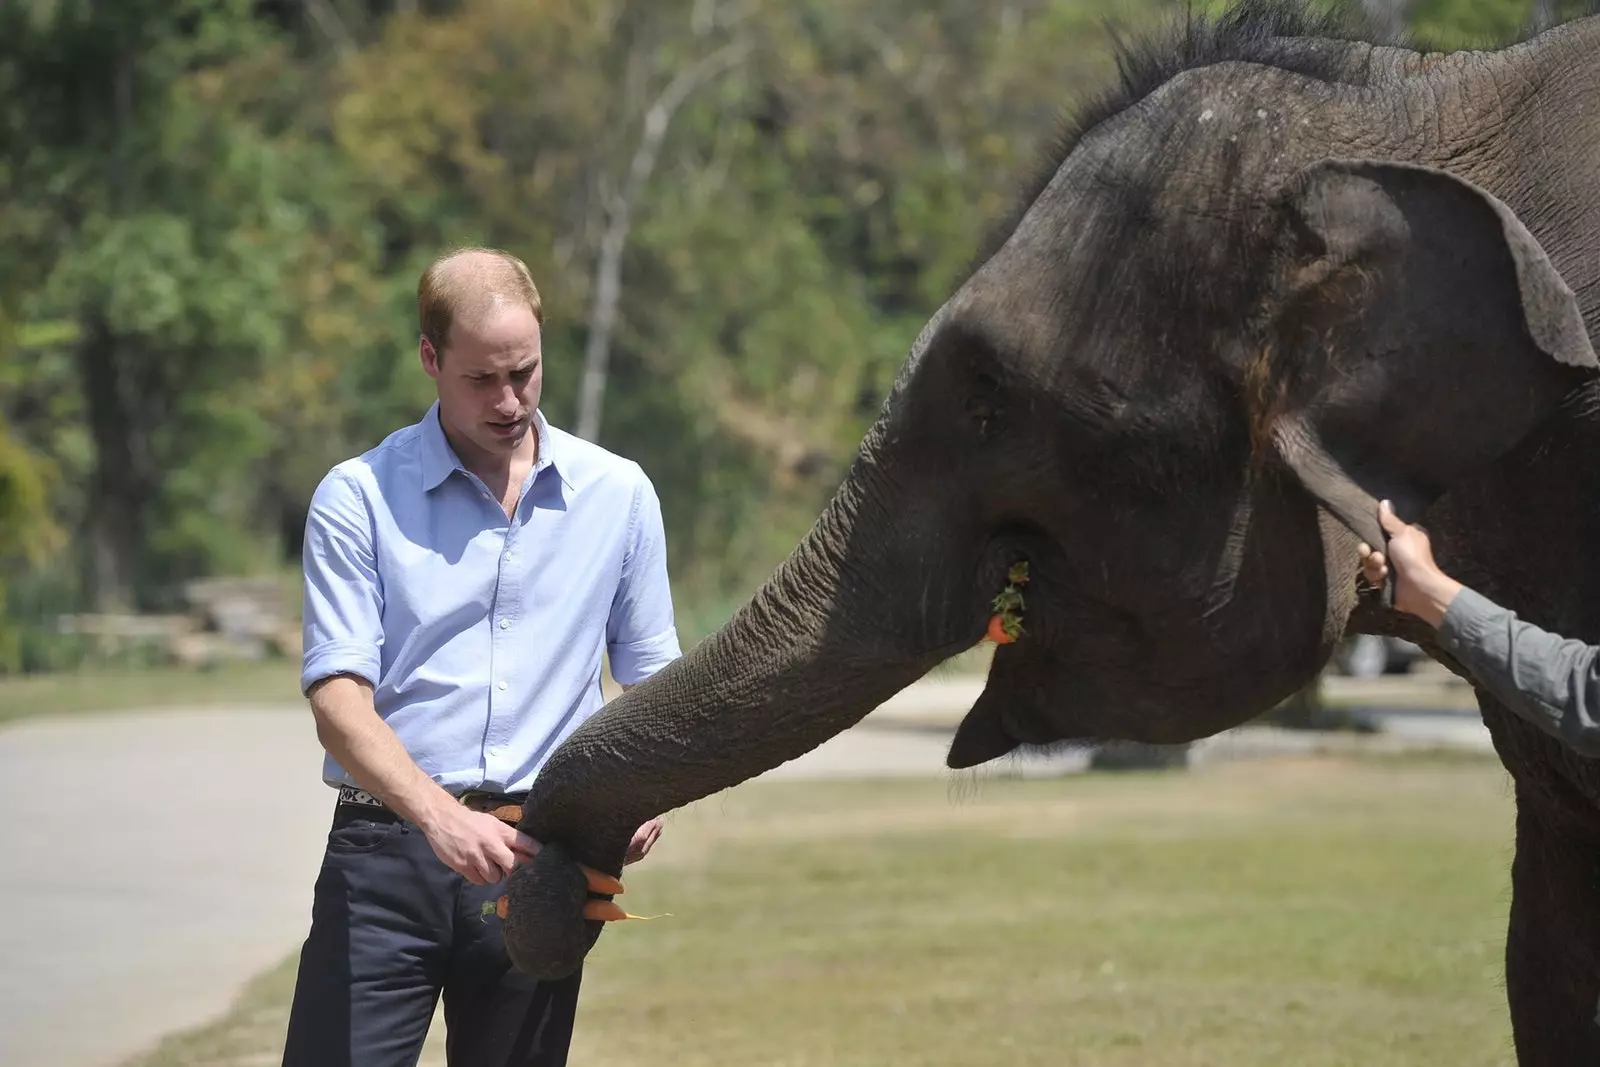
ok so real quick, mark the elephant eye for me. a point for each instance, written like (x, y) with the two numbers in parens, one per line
(982, 406)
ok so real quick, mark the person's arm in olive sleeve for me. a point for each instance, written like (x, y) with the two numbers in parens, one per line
(1549, 680)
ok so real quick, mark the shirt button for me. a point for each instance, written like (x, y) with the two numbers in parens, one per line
(496, 750)
(502, 687)
(505, 624)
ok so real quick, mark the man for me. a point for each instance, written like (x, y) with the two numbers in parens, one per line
(1548, 680)
(461, 581)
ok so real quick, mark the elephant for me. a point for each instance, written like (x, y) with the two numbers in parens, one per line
(1284, 270)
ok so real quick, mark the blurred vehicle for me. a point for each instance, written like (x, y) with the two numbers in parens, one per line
(1371, 656)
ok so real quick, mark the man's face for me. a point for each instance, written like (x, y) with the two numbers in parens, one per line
(489, 379)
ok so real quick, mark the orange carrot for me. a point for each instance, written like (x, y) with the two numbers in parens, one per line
(500, 907)
(607, 911)
(600, 882)
(997, 631)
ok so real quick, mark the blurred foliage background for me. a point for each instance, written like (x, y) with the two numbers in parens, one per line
(740, 212)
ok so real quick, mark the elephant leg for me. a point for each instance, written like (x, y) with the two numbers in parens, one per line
(1553, 945)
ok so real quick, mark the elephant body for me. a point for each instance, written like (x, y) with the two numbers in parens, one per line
(1281, 274)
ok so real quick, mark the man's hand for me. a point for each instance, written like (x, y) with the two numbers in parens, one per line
(476, 845)
(644, 840)
(1420, 587)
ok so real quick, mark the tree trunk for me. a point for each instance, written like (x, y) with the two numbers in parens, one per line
(122, 482)
(115, 511)
(619, 223)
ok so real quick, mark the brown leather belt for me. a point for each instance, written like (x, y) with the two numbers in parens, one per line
(507, 807)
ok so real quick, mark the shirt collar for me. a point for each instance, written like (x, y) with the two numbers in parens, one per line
(439, 459)
(548, 454)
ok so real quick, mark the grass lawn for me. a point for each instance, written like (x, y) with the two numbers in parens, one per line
(1314, 912)
(242, 684)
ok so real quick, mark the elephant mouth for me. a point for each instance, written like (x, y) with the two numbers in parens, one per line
(1013, 707)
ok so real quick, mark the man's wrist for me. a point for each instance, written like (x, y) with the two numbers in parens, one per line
(1438, 594)
(433, 809)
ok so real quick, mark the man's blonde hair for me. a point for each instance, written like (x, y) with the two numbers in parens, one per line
(465, 284)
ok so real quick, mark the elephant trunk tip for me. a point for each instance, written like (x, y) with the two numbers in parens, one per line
(544, 929)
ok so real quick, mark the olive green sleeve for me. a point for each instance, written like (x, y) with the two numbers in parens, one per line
(1549, 680)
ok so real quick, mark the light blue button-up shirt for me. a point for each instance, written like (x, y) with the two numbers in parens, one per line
(481, 635)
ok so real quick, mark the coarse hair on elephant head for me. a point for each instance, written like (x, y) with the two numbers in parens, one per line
(1242, 307)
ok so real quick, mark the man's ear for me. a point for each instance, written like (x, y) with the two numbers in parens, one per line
(1416, 332)
(429, 357)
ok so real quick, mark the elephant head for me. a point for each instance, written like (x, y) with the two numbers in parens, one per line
(1239, 311)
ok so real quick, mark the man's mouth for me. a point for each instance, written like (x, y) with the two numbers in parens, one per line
(508, 427)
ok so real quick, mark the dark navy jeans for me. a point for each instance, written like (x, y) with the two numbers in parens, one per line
(391, 928)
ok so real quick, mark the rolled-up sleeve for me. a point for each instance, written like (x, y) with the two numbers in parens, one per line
(1549, 680)
(641, 635)
(343, 611)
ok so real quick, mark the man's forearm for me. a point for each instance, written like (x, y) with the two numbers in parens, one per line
(350, 729)
(1546, 679)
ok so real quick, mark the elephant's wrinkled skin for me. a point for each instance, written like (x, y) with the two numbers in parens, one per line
(1279, 279)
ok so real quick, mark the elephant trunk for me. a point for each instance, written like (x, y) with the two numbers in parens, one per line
(821, 644)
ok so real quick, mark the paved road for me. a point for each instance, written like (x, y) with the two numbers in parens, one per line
(144, 906)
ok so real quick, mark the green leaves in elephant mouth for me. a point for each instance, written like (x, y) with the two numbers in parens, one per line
(1005, 626)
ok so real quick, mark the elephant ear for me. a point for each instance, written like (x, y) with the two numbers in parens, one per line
(1417, 331)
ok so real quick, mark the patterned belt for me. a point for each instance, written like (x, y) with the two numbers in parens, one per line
(506, 807)
(349, 794)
